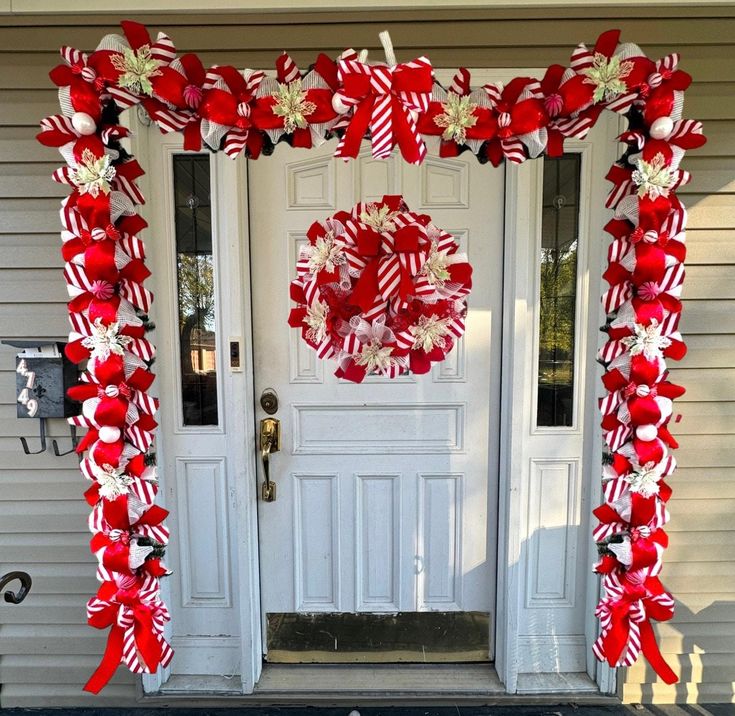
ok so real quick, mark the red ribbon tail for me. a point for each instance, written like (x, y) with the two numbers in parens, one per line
(616, 638)
(406, 137)
(148, 644)
(653, 655)
(357, 129)
(366, 288)
(110, 661)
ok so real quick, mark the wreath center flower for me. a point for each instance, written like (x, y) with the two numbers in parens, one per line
(459, 115)
(292, 105)
(93, 174)
(136, 68)
(379, 217)
(653, 178)
(374, 356)
(607, 75)
(430, 333)
(647, 340)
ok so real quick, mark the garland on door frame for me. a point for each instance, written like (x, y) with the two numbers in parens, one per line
(395, 105)
(381, 290)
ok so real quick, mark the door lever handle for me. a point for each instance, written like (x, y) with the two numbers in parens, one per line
(270, 442)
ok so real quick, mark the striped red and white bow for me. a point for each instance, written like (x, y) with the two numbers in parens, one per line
(632, 600)
(386, 101)
(132, 609)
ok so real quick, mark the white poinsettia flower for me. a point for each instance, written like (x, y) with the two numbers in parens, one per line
(105, 340)
(436, 266)
(113, 481)
(93, 174)
(136, 68)
(374, 356)
(326, 254)
(457, 117)
(292, 105)
(645, 480)
(647, 340)
(379, 217)
(653, 178)
(607, 75)
(316, 319)
(430, 332)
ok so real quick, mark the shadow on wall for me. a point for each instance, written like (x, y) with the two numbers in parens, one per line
(702, 660)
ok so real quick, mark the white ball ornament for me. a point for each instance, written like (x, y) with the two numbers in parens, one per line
(83, 123)
(646, 433)
(338, 105)
(661, 127)
(109, 434)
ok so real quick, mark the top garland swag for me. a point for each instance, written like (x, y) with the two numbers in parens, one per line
(395, 105)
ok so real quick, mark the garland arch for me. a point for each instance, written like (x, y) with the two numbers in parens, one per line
(393, 104)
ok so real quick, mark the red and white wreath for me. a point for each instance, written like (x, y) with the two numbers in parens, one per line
(381, 290)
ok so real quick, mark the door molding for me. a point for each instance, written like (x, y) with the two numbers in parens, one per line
(521, 224)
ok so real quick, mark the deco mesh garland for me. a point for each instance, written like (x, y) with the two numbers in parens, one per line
(394, 105)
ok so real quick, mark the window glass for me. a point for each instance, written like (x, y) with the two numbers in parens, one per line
(558, 283)
(195, 283)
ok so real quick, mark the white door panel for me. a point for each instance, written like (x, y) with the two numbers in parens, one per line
(387, 489)
(199, 464)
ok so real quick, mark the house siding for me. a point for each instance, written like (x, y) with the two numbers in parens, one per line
(46, 650)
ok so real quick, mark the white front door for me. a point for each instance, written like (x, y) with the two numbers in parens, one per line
(387, 490)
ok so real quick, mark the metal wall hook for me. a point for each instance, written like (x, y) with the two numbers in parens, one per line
(42, 437)
(74, 443)
(25, 586)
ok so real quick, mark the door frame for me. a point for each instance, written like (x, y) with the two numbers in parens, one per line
(524, 185)
(521, 230)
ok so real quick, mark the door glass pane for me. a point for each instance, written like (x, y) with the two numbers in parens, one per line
(195, 283)
(558, 283)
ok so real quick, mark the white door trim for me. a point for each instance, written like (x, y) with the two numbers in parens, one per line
(231, 203)
(523, 226)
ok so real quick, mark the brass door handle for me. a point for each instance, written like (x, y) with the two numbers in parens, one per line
(270, 442)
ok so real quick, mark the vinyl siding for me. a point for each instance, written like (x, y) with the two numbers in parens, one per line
(46, 651)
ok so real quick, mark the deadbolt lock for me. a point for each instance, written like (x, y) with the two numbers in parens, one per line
(269, 401)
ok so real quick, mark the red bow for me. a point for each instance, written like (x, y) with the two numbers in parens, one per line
(136, 615)
(394, 259)
(387, 101)
(178, 90)
(225, 109)
(521, 118)
(315, 104)
(568, 102)
(625, 614)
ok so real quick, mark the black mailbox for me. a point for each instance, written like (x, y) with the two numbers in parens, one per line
(42, 376)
